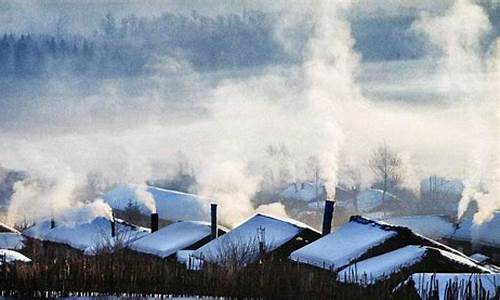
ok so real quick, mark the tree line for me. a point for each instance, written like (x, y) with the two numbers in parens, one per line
(130, 45)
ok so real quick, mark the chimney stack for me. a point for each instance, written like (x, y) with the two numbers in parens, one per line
(52, 223)
(327, 217)
(154, 222)
(113, 227)
(213, 220)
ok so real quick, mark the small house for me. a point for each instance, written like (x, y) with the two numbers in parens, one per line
(182, 235)
(261, 236)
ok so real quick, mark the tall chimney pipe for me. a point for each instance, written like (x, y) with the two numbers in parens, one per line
(327, 217)
(213, 220)
(154, 222)
(113, 227)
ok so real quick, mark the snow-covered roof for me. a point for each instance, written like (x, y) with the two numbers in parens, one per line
(480, 258)
(11, 240)
(486, 233)
(304, 191)
(371, 199)
(355, 239)
(89, 236)
(427, 283)
(432, 226)
(340, 248)
(11, 256)
(170, 205)
(6, 228)
(174, 237)
(379, 267)
(276, 232)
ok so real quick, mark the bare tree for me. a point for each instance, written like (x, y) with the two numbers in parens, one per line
(387, 167)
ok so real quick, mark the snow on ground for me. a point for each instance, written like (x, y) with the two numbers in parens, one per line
(434, 227)
(88, 237)
(276, 233)
(11, 240)
(379, 267)
(427, 282)
(341, 247)
(487, 233)
(170, 239)
(11, 256)
(372, 198)
(170, 205)
(304, 191)
(186, 257)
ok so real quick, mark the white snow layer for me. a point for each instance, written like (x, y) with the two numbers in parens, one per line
(170, 239)
(434, 227)
(11, 240)
(379, 267)
(11, 256)
(427, 282)
(170, 205)
(88, 237)
(487, 233)
(341, 247)
(276, 232)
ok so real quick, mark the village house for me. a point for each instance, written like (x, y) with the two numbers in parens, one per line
(259, 237)
(362, 243)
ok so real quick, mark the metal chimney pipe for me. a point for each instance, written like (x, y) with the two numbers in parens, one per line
(154, 222)
(52, 223)
(213, 220)
(327, 217)
(113, 228)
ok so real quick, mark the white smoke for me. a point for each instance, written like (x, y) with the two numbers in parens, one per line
(144, 197)
(469, 76)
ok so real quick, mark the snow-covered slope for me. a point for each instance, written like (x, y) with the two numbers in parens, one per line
(11, 240)
(170, 205)
(169, 239)
(338, 249)
(275, 232)
(487, 233)
(434, 227)
(11, 256)
(479, 283)
(88, 237)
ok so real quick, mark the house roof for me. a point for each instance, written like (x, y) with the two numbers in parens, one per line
(360, 238)
(340, 248)
(170, 205)
(12, 256)
(174, 237)
(380, 267)
(276, 232)
(6, 228)
(89, 236)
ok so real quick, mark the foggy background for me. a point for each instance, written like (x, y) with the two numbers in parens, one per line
(244, 97)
